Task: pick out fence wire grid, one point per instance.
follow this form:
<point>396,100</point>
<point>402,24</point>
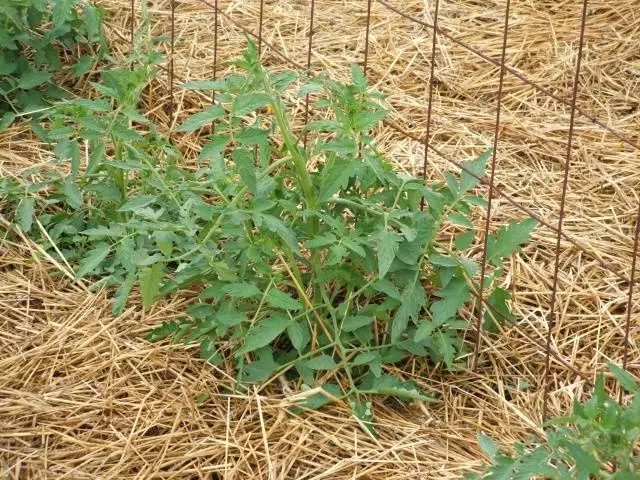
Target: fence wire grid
<point>432,9</point>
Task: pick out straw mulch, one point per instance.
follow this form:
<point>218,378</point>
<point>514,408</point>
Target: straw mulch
<point>83,395</point>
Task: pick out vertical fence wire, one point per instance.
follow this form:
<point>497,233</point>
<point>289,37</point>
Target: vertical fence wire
<point>487,224</point>
<point>260,22</point>
<point>171,65</point>
<point>366,38</point>
<point>132,25</point>
<point>632,282</point>
<point>565,183</point>
<point>309,48</point>
<point>427,135</point>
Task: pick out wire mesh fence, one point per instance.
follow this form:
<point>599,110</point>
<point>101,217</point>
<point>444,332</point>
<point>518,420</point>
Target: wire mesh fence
<point>306,56</point>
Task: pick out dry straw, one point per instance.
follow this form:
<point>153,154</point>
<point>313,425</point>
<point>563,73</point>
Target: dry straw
<point>82,395</point>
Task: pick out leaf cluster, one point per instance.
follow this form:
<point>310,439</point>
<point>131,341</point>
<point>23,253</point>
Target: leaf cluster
<point>598,440</point>
<point>37,39</point>
<point>314,260</point>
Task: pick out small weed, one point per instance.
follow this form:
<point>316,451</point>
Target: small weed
<point>598,440</point>
<point>37,37</point>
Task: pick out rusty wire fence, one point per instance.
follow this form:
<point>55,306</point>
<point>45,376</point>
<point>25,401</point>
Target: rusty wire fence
<point>439,33</point>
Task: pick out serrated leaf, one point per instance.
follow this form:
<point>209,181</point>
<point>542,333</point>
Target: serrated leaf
<point>251,136</point>
<point>358,77</point>
<point>167,329</point>
<point>241,290</point>
<point>6,121</point>
<point>623,377</point>
<point>205,85</point>
<point>335,178</point>
<point>321,240</point>
<point>231,318</point>
<point>138,203</point>
<point>216,145</point>
<point>244,164</point>
<point>453,296</point>
<point>262,369</point>
<point>25,212</point>
<point>464,240</point>
<point>278,227</point>
<point>355,322</point>
<point>263,333</point>
<point>149,278</point>
<point>299,335</point>
<point>279,299</point>
<point>121,296</point>
<point>365,358</point>
<point>488,446</point>
<point>33,78</point>
<point>460,219</point>
<point>412,301</point>
<point>249,102</point>
<point>497,311</point>
<point>72,192</point>
<point>92,260</point>
<point>387,244</point>
<point>390,385</point>
<point>200,119</point>
<point>321,362</point>
<point>164,241</point>
<point>508,239</point>
<point>473,171</point>
<point>320,399</point>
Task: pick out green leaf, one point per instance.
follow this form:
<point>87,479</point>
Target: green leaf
<point>321,362</point>
<point>387,244</point>
<point>231,318</point>
<point>278,227</point>
<point>72,192</point>
<point>390,385</point>
<point>252,136</point>
<point>205,85</point>
<point>121,296</point>
<point>242,290</point>
<point>623,377</point>
<point>475,167</point>
<point>249,102</point>
<point>460,219</point>
<point>215,146</point>
<point>279,299</point>
<point>167,329</point>
<point>299,335</point>
<point>244,164</point>
<point>366,358</point>
<point>453,296</point>
<point>25,212</point>
<point>33,78</point>
<point>355,322</point>
<point>464,240</point>
<point>443,260</point>
<point>497,310</point>
<point>164,241</point>
<point>263,333</point>
<point>6,121</point>
<point>321,240</point>
<point>335,178</point>
<point>320,399</point>
<point>200,119</point>
<point>488,446</point>
<point>259,371</point>
<point>508,239</point>
<point>358,77</point>
<point>138,203</point>
<point>92,260</point>
<point>149,279</point>
<point>412,301</point>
